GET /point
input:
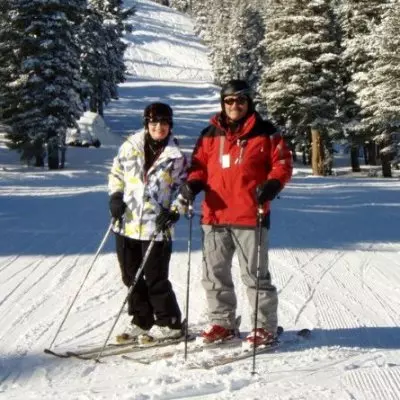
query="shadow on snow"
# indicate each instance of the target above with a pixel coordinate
(306, 216)
(17, 367)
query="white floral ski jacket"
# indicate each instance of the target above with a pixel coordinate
(145, 195)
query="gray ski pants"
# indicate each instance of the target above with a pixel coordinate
(219, 246)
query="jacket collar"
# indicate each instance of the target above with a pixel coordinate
(171, 150)
(244, 129)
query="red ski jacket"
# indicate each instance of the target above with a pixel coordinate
(231, 165)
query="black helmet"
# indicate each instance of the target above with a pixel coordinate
(157, 112)
(236, 87)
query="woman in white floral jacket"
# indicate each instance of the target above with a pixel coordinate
(143, 185)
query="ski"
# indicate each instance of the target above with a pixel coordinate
(131, 348)
(124, 343)
(244, 354)
(196, 348)
(89, 350)
(230, 358)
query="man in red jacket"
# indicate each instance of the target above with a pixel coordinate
(241, 162)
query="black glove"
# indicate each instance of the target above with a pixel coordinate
(166, 218)
(189, 190)
(267, 190)
(117, 205)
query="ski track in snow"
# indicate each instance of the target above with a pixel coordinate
(344, 287)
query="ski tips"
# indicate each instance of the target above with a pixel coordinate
(53, 353)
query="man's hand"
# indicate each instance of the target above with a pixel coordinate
(267, 190)
(186, 195)
(188, 191)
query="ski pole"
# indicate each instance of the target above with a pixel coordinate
(83, 282)
(131, 288)
(260, 214)
(190, 216)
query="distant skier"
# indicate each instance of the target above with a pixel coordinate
(240, 161)
(144, 181)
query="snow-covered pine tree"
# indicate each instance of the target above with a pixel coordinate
(379, 94)
(9, 62)
(299, 82)
(219, 39)
(93, 45)
(357, 19)
(180, 5)
(233, 31)
(110, 19)
(45, 78)
(201, 15)
(246, 30)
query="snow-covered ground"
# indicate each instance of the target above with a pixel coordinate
(335, 245)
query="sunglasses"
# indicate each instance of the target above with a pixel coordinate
(161, 121)
(238, 100)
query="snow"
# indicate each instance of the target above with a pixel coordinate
(334, 257)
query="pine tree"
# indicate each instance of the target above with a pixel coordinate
(357, 19)
(218, 39)
(9, 59)
(299, 82)
(95, 69)
(109, 19)
(379, 97)
(201, 13)
(44, 77)
(180, 5)
(233, 32)
(246, 32)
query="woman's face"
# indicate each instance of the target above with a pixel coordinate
(158, 129)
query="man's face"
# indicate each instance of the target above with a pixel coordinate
(236, 107)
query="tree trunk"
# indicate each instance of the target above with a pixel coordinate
(100, 108)
(372, 153)
(100, 97)
(304, 155)
(39, 161)
(52, 153)
(386, 167)
(355, 164)
(365, 153)
(317, 153)
(62, 163)
(328, 162)
(63, 150)
(386, 158)
(294, 155)
(93, 104)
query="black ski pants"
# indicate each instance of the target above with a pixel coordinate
(153, 300)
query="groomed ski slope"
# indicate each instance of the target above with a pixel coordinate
(335, 245)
